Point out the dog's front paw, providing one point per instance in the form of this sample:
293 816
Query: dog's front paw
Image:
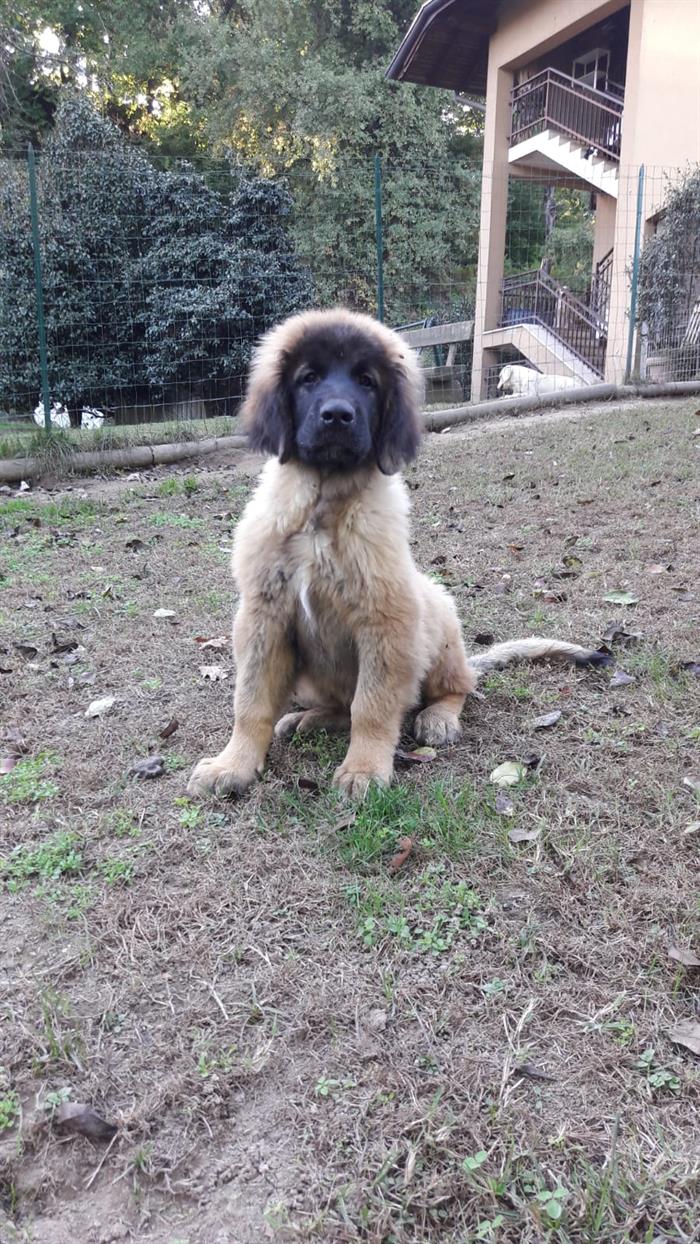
215 775
356 782
436 727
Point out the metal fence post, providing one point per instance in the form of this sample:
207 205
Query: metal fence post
379 236
39 289
635 273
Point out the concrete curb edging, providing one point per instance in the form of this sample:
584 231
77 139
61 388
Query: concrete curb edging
137 457
13 470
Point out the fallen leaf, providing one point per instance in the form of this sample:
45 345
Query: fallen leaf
164 613
687 1034
149 767
616 630
376 1020
484 639
688 958
170 728
619 597
217 644
510 773
7 764
421 756
310 784
547 720
214 673
531 761
504 804
572 562
405 846
532 1072
28 651
344 822
65 645
15 741
550 596
621 679
693 783
84 1121
523 835
98 708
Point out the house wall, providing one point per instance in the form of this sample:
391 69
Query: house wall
527 29
661 130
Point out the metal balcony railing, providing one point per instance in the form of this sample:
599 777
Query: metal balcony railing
551 100
536 298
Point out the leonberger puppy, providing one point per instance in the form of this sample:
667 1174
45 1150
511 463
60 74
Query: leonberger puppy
333 614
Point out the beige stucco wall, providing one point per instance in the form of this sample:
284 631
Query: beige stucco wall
526 30
661 129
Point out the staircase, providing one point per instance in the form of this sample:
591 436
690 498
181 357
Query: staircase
561 124
551 327
551 150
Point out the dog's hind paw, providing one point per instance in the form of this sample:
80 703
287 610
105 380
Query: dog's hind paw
215 776
436 726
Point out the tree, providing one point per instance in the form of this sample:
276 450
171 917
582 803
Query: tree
669 274
300 88
152 279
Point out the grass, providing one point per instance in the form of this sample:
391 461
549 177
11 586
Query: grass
55 448
59 856
296 1038
30 780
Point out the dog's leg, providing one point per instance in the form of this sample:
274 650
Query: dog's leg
386 688
306 720
447 684
264 679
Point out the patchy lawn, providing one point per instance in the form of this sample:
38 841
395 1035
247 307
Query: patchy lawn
294 1041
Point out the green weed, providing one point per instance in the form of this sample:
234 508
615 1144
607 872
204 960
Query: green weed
28 781
59 856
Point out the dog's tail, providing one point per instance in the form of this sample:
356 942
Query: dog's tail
498 656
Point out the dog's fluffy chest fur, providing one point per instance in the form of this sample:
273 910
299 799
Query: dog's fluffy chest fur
304 541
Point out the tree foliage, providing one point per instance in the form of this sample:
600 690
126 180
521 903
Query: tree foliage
669 275
153 280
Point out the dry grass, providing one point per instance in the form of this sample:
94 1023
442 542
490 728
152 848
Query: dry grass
295 1043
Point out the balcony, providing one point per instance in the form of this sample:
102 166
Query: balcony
553 102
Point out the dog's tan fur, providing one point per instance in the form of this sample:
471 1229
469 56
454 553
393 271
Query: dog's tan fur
333 610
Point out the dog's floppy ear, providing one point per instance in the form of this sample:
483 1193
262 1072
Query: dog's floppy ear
266 412
399 431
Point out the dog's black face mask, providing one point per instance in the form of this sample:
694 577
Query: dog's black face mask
336 407
336 398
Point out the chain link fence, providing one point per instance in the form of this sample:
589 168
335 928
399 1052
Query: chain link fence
150 285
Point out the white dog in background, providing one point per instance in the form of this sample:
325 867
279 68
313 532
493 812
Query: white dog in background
525 381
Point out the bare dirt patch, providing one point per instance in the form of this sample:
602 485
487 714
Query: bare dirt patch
294 1041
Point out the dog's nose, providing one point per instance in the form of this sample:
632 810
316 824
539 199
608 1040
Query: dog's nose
336 412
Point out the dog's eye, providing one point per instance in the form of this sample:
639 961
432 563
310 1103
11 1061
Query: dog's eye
366 380
308 377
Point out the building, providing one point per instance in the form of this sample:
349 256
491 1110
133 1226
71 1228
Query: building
584 93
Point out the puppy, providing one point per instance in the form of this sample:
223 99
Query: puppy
333 612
